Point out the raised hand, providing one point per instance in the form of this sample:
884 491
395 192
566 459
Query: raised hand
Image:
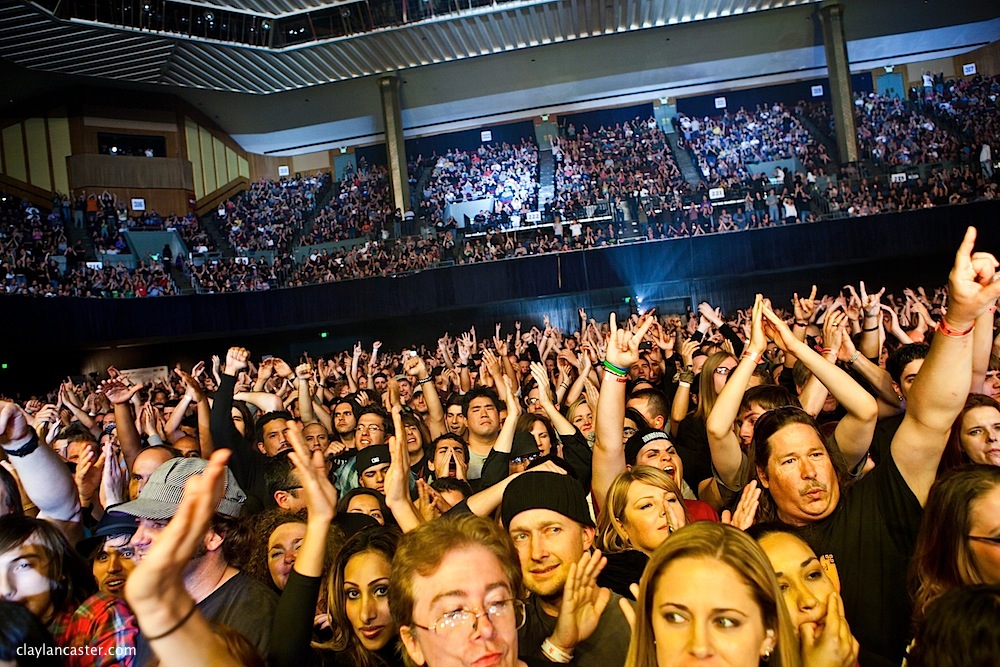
282 368
746 510
114 485
870 302
583 602
236 360
623 347
89 469
415 367
804 308
833 331
13 423
777 330
194 388
320 495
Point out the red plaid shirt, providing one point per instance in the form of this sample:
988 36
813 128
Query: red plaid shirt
104 625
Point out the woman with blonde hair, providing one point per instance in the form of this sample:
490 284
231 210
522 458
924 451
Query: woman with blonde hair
643 508
709 591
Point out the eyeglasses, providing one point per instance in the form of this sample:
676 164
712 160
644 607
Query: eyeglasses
466 620
371 428
532 401
980 538
517 460
722 370
628 431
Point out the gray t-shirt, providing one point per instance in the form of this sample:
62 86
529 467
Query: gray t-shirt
242 603
475 465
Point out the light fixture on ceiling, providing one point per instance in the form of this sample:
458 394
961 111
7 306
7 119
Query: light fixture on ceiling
209 16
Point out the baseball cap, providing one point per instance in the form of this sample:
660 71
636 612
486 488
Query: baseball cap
161 495
370 456
549 491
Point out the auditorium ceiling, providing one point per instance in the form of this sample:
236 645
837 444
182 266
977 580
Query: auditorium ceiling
40 36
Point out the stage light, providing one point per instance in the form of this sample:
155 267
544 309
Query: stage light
323 334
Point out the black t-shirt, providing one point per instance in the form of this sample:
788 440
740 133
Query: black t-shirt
692 446
871 536
242 603
606 647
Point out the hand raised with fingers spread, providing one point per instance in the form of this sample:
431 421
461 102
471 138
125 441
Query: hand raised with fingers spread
583 602
321 496
118 392
746 510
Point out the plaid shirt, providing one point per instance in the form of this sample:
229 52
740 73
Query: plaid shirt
103 624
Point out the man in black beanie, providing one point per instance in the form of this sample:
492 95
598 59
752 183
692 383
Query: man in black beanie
547 517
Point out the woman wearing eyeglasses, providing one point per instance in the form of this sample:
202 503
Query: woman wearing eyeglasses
959 539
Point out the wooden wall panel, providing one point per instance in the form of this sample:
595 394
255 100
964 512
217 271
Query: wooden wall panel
60 148
13 153
38 153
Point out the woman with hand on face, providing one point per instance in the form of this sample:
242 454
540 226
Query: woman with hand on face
810 587
357 597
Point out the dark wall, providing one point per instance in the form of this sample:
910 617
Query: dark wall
47 338
594 119
789 93
375 154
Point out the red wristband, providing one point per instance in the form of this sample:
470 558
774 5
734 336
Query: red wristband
948 330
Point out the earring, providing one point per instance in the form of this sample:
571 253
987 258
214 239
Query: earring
766 655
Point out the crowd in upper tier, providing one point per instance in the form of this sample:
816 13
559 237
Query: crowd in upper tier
618 181
507 173
626 160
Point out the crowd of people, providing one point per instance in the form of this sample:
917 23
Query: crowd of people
751 487
722 146
892 132
268 215
943 187
971 104
361 207
505 172
613 163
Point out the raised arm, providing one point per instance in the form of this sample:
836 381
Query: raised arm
417 368
609 450
45 478
168 617
727 455
120 396
855 431
871 323
397 478
942 385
